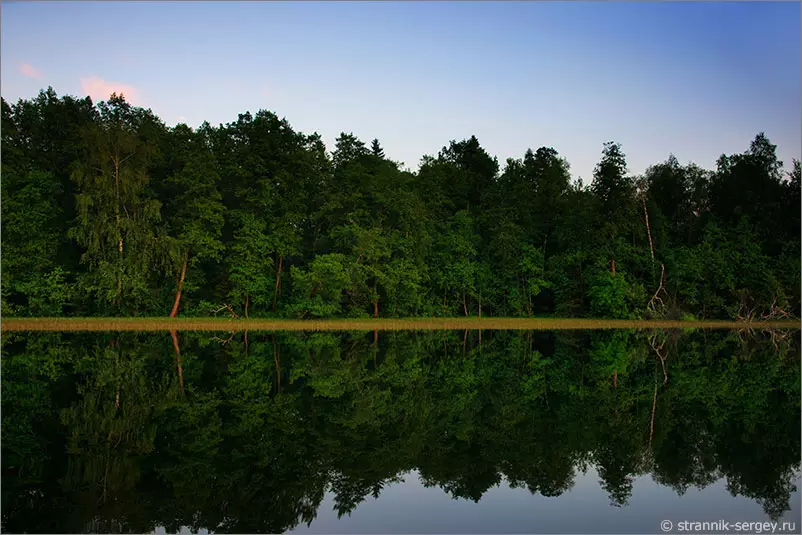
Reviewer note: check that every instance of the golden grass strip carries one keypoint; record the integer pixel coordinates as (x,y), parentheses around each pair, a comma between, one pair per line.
(411,324)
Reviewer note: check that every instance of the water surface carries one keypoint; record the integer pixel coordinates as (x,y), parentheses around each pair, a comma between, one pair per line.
(398,432)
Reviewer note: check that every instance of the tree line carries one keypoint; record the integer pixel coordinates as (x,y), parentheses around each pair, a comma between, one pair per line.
(113,432)
(107,211)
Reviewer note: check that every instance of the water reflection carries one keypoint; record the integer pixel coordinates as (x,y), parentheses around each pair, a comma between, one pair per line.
(119,432)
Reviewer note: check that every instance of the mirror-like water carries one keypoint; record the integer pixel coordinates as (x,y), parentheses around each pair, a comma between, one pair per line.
(400,432)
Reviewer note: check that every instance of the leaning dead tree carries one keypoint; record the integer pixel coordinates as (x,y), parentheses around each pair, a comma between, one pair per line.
(775,312)
(748,315)
(227,308)
(642,195)
(656,303)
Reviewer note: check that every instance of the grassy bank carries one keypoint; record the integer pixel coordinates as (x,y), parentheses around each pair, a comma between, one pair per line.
(418,324)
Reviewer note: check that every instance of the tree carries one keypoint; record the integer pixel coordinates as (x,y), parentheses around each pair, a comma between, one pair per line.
(474,172)
(193,210)
(117,213)
(749,185)
(614,190)
(376,149)
(40,141)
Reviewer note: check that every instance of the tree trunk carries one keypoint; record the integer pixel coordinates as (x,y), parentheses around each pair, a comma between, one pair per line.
(180,369)
(375,302)
(612,268)
(464,304)
(648,230)
(278,281)
(174,312)
(247,300)
(529,300)
(615,378)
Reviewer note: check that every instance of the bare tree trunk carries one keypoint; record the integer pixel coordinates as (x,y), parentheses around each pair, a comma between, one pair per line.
(180,369)
(612,268)
(278,282)
(174,312)
(648,230)
(464,304)
(615,378)
(656,297)
(247,300)
(464,341)
(375,303)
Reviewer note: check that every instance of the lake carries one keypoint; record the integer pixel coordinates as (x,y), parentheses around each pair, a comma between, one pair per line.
(499,431)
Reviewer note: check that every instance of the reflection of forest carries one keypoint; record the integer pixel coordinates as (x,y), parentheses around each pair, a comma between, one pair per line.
(98,434)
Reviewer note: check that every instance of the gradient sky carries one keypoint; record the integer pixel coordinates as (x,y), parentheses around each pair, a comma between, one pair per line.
(695,79)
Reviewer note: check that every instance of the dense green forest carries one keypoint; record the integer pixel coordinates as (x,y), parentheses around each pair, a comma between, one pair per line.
(106,211)
(111,432)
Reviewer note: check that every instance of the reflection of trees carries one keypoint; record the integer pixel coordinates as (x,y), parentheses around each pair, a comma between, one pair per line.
(110,433)
(236,454)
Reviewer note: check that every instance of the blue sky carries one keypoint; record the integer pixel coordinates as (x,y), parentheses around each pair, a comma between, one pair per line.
(695,79)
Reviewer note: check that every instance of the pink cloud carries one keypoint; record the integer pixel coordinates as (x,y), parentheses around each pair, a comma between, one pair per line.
(100,89)
(30,71)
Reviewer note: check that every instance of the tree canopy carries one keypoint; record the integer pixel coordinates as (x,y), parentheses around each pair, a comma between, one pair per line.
(108,211)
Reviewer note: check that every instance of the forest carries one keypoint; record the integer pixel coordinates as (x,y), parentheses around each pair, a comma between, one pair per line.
(106,211)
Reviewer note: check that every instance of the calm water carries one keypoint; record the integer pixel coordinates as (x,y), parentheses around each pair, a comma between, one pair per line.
(402,432)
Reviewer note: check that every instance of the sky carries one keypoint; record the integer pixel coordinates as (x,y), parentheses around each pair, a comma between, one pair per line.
(696,79)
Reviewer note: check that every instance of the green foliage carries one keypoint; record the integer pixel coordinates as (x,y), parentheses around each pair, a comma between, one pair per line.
(612,296)
(104,209)
(319,291)
(250,262)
